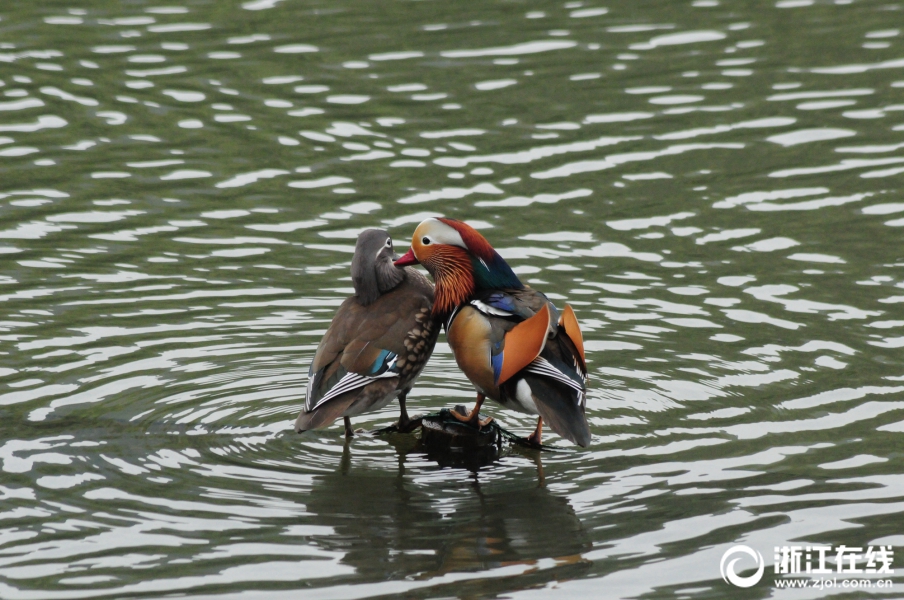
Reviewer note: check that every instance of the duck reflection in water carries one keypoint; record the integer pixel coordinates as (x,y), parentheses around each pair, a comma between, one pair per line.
(418,520)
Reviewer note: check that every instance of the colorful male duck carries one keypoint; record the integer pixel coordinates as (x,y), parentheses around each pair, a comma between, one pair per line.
(377,344)
(509,339)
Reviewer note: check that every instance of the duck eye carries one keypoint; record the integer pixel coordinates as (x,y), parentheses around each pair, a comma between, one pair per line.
(389,243)
(425,241)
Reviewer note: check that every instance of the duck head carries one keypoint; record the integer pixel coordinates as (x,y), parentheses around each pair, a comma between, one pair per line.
(373,273)
(460,260)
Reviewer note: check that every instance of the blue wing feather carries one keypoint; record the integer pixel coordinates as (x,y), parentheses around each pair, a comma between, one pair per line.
(501,301)
(385,361)
(319,391)
(496,360)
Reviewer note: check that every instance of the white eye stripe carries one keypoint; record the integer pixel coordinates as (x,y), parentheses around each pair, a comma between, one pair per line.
(440,233)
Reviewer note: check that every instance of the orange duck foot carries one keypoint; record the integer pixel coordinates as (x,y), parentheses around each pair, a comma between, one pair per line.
(534,438)
(473,418)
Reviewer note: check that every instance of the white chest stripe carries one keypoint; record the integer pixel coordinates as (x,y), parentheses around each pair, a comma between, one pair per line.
(490,310)
(452,318)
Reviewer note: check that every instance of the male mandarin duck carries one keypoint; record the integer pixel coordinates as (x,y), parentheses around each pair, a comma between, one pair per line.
(376,345)
(509,339)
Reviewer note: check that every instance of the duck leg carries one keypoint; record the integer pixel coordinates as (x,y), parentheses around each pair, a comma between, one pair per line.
(405,424)
(473,418)
(534,438)
(348,427)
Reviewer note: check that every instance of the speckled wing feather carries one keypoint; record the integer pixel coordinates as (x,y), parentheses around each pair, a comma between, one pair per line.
(366,343)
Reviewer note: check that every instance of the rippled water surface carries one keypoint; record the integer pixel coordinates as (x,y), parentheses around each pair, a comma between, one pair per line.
(714,186)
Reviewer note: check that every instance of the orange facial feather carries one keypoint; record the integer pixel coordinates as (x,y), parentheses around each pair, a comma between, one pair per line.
(451,269)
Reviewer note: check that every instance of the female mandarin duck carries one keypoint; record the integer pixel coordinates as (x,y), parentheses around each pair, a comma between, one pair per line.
(509,339)
(377,344)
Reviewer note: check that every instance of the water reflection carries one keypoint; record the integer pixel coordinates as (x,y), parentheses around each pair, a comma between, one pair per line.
(430,523)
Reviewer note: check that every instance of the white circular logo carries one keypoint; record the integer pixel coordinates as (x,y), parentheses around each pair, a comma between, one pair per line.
(728,570)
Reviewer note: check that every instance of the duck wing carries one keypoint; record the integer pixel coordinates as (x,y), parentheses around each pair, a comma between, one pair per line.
(519,321)
(366,343)
(516,325)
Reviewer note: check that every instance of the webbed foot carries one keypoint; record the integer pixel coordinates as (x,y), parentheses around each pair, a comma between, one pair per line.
(534,438)
(407,425)
(473,418)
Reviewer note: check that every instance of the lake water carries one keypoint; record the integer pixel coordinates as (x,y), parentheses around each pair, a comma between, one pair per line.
(714,186)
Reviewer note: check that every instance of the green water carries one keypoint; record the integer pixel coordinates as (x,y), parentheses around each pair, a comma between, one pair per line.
(714,186)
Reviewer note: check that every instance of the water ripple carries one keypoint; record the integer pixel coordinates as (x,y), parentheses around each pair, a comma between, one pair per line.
(177,236)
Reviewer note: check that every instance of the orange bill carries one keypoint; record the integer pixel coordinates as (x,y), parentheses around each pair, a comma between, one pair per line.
(524,343)
(569,321)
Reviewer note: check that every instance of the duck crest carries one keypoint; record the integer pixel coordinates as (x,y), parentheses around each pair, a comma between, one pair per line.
(489,270)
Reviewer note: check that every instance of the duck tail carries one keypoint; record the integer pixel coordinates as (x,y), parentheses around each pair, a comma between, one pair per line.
(325,414)
(561,407)
(557,380)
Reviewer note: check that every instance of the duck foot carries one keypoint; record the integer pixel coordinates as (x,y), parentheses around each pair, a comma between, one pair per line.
(472,418)
(534,438)
(348,427)
(529,443)
(408,425)
(400,427)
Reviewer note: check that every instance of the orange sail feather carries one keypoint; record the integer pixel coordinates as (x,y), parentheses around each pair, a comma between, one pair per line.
(569,321)
(524,343)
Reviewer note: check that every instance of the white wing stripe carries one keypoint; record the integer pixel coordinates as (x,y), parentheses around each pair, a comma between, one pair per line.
(348,383)
(310,389)
(541,366)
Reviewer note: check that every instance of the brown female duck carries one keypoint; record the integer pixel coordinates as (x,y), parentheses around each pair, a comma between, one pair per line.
(377,344)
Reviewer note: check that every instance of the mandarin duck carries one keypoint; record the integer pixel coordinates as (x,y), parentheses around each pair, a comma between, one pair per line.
(509,339)
(377,344)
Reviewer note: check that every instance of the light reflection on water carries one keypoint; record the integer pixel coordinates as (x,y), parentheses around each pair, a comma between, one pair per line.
(713,188)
